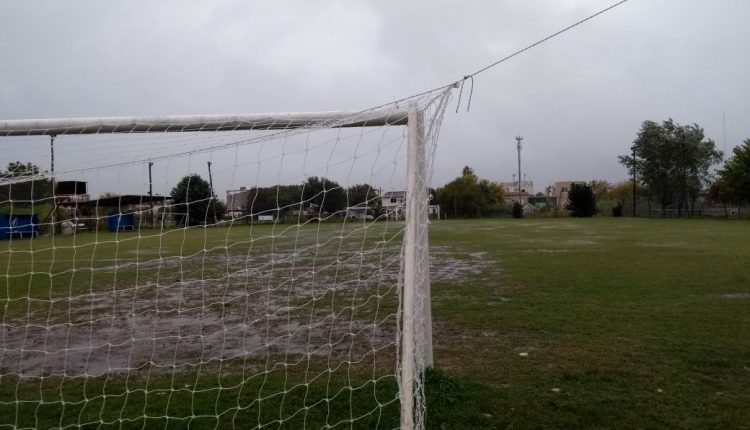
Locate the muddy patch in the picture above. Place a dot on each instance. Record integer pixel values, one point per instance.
(181, 312)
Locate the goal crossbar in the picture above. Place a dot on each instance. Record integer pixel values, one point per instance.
(193, 123)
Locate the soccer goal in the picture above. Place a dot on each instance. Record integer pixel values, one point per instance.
(221, 271)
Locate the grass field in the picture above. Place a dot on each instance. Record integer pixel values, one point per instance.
(555, 323)
(598, 323)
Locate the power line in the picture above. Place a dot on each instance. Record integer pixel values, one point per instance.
(508, 57)
(539, 42)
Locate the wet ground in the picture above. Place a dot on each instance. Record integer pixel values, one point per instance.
(179, 313)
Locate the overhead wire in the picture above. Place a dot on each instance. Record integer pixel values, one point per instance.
(459, 83)
(455, 84)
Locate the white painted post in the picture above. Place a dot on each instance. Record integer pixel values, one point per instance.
(416, 315)
(422, 203)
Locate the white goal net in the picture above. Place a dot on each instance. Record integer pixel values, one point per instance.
(234, 271)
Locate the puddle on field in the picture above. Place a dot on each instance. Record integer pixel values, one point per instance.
(446, 266)
(546, 251)
(662, 244)
(179, 312)
(580, 242)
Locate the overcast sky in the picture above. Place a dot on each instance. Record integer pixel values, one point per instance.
(578, 99)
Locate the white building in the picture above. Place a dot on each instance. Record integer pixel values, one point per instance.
(512, 187)
(394, 205)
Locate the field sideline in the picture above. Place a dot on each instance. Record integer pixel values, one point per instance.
(538, 323)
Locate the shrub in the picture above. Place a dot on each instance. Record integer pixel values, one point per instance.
(517, 210)
(617, 210)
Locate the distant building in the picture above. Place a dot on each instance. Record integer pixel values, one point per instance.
(359, 211)
(560, 193)
(513, 197)
(433, 211)
(512, 187)
(512, 194)
(394, 205)
(237, 203)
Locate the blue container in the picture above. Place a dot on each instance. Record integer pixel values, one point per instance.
(18, 225)
(120, 221)
(4, 225)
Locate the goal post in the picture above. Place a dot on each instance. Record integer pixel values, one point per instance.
(187, 123)
(309, 286)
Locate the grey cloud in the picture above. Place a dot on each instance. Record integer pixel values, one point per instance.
(578, 99)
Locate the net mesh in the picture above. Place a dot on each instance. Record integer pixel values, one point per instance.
(247, 278)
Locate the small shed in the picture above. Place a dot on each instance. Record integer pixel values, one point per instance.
(18, 225)
(124, 213)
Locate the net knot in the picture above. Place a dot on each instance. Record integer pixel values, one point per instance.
(461, 91)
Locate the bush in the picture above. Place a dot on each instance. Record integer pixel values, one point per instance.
(617, 210)
(581, 201)
(517, 210)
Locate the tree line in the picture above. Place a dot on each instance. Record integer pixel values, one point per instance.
(23, 184)
(317, 197)
(673, 166)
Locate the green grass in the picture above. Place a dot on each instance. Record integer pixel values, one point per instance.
(624, 323)
(555, 323)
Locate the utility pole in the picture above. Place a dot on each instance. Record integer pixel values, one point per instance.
(635, 212)
(211, 189)
(518, 147)
(151, 193)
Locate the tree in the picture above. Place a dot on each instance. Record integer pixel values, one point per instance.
(362, 193)
(720, 191)
(278, 200)
(674, 161)
(21, 184)
(325, 194)
(469, 196)
(20, 169)
(581, 200)
(601, 188)
(604, 204)
(622, 192)
(517, 210)
(735, 175)
(365, 193)
(194, 204)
